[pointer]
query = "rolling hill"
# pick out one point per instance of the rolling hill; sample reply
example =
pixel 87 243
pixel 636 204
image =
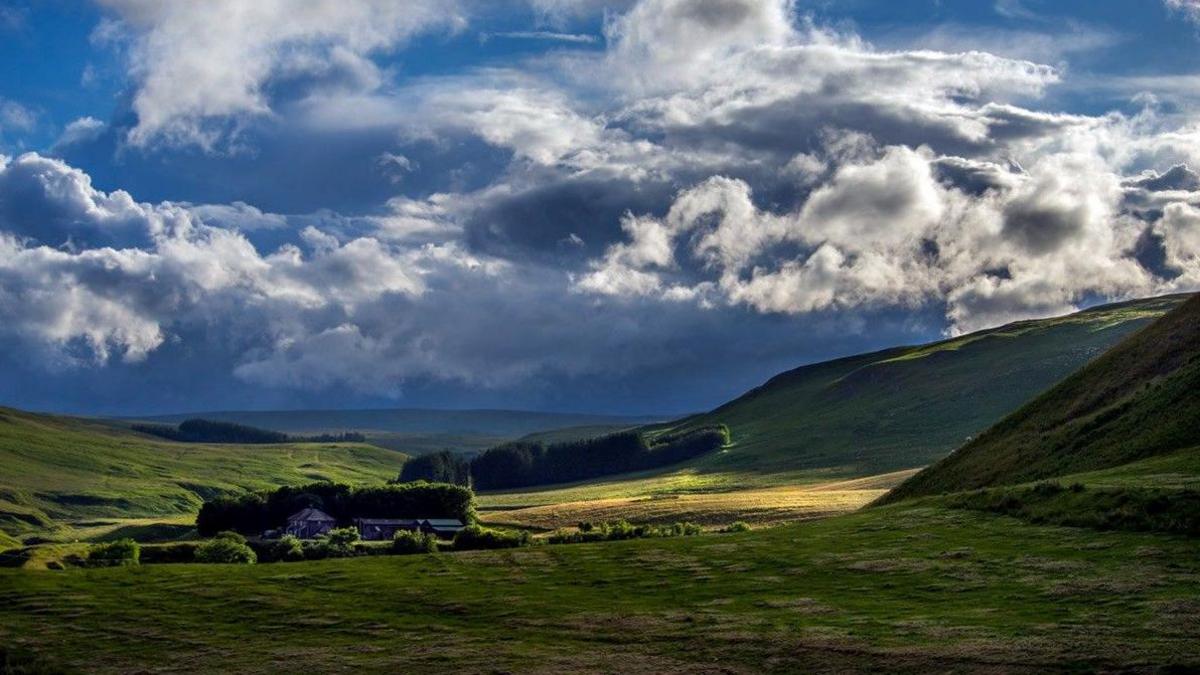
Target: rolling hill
pixel 1137 402
pixel 909 406
pixel 60 472
pixel 495 423
pixel 417 431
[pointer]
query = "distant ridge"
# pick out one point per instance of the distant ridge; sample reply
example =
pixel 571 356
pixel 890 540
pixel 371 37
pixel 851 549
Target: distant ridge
pixel 481 422
pixel 1140 399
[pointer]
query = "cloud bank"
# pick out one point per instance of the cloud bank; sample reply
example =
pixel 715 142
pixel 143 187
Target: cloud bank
pixel 718 167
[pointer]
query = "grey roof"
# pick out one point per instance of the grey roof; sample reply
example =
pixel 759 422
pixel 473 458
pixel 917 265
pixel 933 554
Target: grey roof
pixel 386 521
pixel 443 522
pixel 311 514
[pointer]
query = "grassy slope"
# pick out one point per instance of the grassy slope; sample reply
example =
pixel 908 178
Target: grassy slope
pixel 902 588
pixel 907 407
pixel 55 469
pixel 1141 399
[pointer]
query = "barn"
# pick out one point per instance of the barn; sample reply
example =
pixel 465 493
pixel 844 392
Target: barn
pixel 384 529
pixel 443 528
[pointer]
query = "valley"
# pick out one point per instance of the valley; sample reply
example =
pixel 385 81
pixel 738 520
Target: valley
pixel 1062 537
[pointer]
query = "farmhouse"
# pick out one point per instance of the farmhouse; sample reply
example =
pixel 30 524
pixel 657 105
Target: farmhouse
pixel 309 523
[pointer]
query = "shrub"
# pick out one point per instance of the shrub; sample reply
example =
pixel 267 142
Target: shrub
pixel 737 526
pixel 231 536
pixel 338 543
pixel 287 548
pixel 112 553
pixel 475 537
pixel 413 542
pixel 225 549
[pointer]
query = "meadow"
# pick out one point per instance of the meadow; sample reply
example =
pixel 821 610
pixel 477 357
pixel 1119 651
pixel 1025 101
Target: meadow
pixel 909 588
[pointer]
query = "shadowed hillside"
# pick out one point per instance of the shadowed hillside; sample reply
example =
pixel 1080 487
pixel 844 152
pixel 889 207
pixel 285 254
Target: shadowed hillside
pixel 1139 400
pixel 910 406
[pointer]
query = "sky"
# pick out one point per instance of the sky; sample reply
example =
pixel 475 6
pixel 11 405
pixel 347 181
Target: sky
pixel 637 206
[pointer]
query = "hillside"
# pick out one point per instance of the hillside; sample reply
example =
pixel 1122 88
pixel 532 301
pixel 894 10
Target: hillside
pixel 1139 400
pixel 57 472
pixel 910 406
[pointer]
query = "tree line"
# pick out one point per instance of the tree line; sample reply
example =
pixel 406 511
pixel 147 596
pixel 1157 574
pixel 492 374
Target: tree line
pixel 524 463
pixel 255 512
pixel 210 431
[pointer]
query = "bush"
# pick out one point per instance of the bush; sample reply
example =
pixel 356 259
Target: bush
pixel 475 537
pixel 338 543
pixel 413 542
pixel 226 548
pixel 287 548
pixel 736 526
pixel 119 552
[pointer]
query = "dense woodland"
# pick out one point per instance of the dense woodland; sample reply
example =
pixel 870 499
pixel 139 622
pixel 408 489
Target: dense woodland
pixel 258 511
pixel 521 464
pixel 444 466
pixel 209 431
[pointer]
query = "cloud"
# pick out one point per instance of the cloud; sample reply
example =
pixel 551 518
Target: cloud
pixel 1190 9
pixel 577 38
pixel 203 68
pixel 80 130
pixel 15 118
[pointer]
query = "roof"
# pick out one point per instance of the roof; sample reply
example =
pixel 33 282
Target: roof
pixel 311 514
pixel 386 521
pixel 443 522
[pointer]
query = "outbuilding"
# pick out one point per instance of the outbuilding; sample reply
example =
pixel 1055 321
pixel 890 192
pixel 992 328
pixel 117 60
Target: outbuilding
pixel 383 529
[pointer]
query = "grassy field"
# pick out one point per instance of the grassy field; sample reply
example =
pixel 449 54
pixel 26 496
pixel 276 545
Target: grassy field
pixel 762 506
pixel 64 478
pixel 902 589
pixel 1138 400
pixel 910 406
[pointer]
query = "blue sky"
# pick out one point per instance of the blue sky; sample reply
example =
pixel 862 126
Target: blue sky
pixel 630 206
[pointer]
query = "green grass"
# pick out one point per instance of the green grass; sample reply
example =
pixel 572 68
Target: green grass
pixel 909 406
pixel 1139 400
pixel 59 475
pixel 907 588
